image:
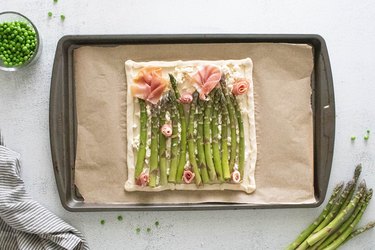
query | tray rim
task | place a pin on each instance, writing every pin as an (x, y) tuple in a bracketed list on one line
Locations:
[(67, 193)]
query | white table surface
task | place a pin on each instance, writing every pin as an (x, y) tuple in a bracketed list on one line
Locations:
[(349, 30)]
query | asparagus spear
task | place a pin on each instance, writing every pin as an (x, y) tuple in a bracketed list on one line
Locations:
[(181, 111), (340, 218), (349, 230), (232, 122), (336, 207), (360, 230), (191, 142), (224, 136), (174, 140), (357, 172), (142, 139), (215, 137), (334, 211), (200, 147), (207, 140), (302, 237), (162, 148), (241, 148), (344, 226), (154, 146)]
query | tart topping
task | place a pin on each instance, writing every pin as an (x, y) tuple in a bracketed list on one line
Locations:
[(240, 86), (149, 84), (206, 79), (188, 176), (236, 176), (166, 130), (143, 179), (186, 98)]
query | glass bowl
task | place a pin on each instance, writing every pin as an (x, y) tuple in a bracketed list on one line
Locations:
[(11, 16)]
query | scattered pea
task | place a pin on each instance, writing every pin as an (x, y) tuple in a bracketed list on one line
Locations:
[(119, 218), (148, 230), (50, 14), (102, 222), (55, 1), (62, 17), (157, 223), (138, 230), (367, 136), (353, 138)]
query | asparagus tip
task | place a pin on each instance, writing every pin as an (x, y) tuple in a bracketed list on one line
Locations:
[(350, 184), (370, 225), (369, 194), (357, 171), (362, 184), (339, 186)]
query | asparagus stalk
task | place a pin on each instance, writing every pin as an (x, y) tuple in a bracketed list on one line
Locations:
[(241, 146), (200, 147), (181, 111), (344, 226), (224, 136), (339, 219), (215, 137), (162, 149), (232, 122), (191, 142), (349, 230), (174, 158), (154, 146), (360, 230), (302, 237), (357, 173), (336, 207), (142, 139), (207, 140)]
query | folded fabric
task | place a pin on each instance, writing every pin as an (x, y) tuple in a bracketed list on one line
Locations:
[(24, 223)]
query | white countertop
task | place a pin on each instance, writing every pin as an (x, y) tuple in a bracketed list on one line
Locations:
[(346, 26)]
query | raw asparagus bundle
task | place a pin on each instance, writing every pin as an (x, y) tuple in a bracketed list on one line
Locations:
[(335, 225)]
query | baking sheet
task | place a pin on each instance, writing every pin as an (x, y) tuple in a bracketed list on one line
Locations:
[(282, 78)]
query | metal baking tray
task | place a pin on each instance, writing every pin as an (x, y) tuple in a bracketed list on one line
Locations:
[(63, 122)]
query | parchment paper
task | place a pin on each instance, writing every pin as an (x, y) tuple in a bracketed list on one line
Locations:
[(282, 89)]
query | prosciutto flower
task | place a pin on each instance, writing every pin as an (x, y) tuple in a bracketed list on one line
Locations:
[(143, 179), (149, 84), (206, 79), (240, 86), (188, 176), (166, 130), (186, 98), (236, 176)]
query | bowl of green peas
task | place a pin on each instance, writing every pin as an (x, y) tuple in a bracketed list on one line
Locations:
[(20, 43)]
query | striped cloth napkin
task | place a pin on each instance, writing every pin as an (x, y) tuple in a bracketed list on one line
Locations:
[(24, 223)]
